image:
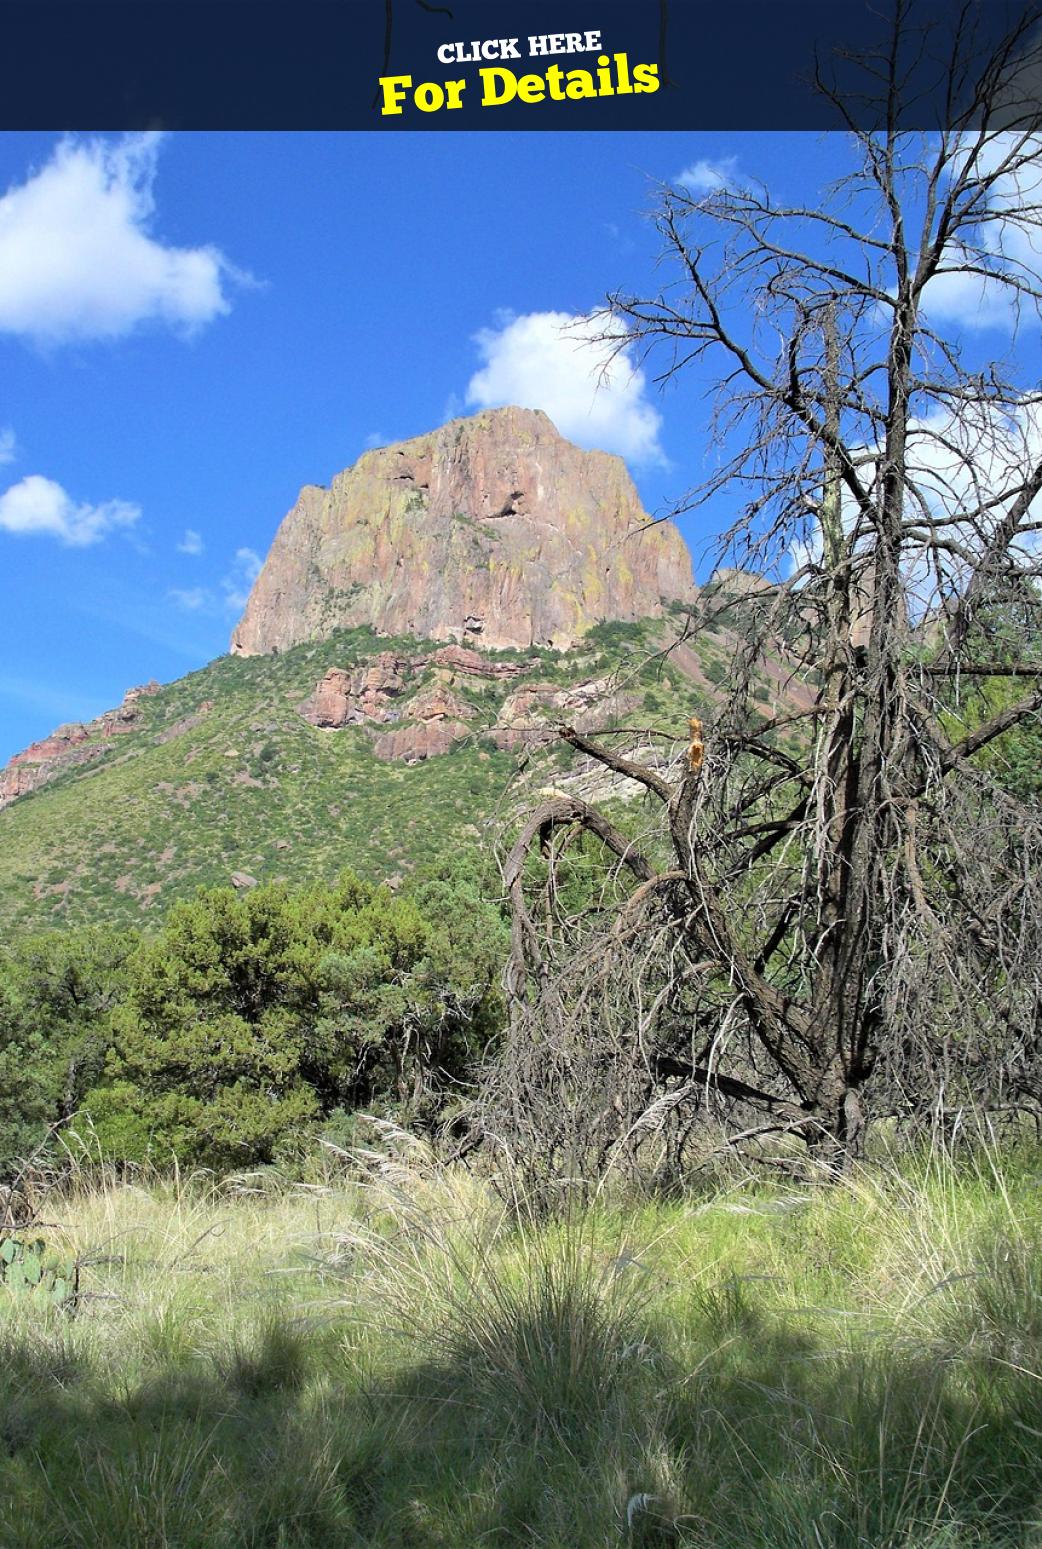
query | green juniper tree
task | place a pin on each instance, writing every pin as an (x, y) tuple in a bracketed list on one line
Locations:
[(250, 1016)]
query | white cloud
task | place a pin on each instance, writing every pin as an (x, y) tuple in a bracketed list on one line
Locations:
[(191, 599), (191, 543), (706, 176), (1009, 244), (969, 300), (77, 259), (37, 506), (964, 469), (553, 361), (8, 445), (230, 592), (245, 569)]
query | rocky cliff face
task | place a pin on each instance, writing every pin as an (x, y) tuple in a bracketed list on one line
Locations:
[(493, 530)]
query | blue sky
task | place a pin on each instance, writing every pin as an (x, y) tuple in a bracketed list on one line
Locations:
[(193, 327)]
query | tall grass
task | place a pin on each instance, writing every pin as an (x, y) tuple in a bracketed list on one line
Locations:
[(392, 1358)]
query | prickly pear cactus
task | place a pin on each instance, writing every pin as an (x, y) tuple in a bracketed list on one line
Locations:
[(30, 1266)]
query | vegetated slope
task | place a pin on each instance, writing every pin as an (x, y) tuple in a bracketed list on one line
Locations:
[(220, 776)]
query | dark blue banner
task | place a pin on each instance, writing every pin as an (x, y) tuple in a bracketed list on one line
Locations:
[(480, 64)]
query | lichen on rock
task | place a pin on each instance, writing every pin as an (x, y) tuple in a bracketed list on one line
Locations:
[(556, 541)]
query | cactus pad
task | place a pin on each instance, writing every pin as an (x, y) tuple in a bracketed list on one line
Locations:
[(28, 1265)]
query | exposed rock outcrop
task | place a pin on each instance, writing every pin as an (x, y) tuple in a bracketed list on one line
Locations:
[(69, 745), (39, 763), (460, 659), (142, 691), (368, 693), (437, 702), (531, 714), (432, 717), (425, 739), (492, 528), (385, 690)]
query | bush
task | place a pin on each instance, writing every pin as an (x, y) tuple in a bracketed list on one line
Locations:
[(56, 994), (252, 1016)]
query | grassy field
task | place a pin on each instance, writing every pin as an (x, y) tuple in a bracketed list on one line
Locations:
[(394, 1359)]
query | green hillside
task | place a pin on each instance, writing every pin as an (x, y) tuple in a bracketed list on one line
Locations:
[(221, 774)]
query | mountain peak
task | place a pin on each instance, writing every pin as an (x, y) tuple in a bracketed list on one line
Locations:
[(492, 528)]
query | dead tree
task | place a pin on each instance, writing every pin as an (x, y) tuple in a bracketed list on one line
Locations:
[(836, 912)]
